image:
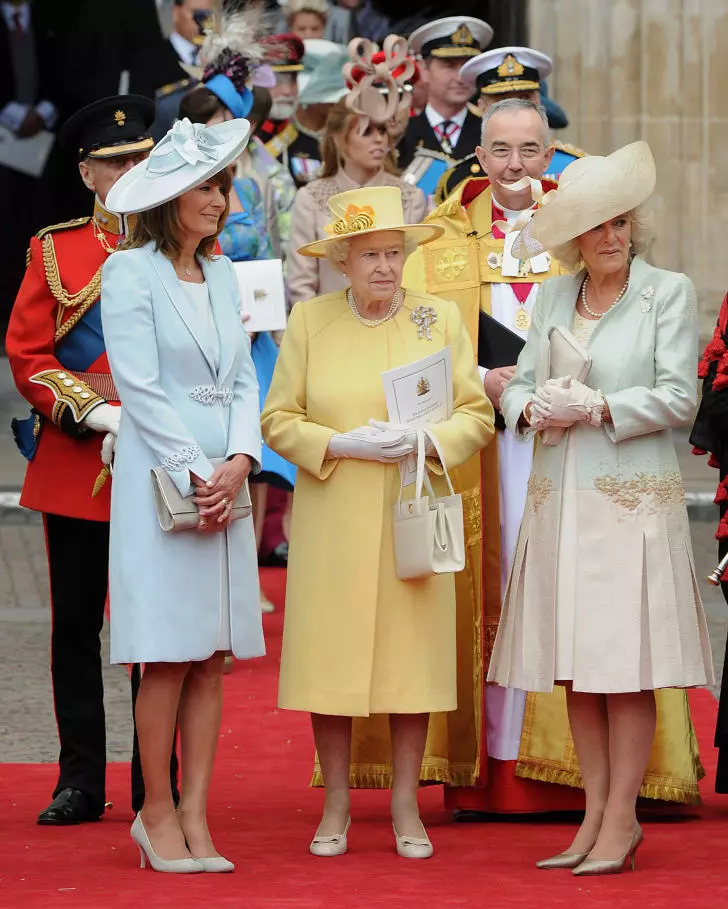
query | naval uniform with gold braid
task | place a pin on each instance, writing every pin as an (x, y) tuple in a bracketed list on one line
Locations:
[(56, 351), (464, 265)]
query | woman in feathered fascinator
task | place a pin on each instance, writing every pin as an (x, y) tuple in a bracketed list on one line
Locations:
[(361, 133)]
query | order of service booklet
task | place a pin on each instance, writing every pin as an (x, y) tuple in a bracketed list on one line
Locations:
[(417, 394)]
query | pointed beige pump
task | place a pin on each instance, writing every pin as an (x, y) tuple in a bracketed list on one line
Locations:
[(171, 866), (329, 846), (603, 866), (562, 860), (217, 864), (413, 847)]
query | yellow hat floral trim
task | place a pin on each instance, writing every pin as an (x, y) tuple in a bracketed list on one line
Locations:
[(355, 219)]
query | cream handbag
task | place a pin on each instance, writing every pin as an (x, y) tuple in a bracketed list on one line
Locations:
[(565, 356), (176, 512), (429, 535)]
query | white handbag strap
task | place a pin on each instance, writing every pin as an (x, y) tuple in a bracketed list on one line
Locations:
[(422, 478)]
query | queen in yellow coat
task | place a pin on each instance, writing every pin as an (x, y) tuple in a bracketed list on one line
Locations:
[(357, 640)]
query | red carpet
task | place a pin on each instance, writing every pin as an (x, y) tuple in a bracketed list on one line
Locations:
[(263, 815)]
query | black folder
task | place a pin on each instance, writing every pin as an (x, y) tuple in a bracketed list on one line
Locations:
[(497, 345)]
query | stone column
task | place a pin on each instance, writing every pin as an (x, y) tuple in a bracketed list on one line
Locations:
[(654, 70)]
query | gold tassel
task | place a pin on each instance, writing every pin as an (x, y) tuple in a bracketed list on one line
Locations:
[(100, 481)]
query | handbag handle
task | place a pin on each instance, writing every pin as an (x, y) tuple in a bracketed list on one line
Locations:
[(422, 478)]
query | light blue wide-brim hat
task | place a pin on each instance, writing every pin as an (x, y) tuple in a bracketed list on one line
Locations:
[(188, 155), (322, 81)]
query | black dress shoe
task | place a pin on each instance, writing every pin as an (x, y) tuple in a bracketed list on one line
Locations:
[(70, 806)]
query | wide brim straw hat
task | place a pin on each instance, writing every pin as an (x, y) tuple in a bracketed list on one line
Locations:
[(591, 191), (359, 212), (187, 156)]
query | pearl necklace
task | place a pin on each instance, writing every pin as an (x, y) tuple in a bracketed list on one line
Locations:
[(598, 315), (372, 323)]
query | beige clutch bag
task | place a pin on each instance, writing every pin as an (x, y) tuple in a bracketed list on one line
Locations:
[(566, 357), (429, 533), (177, 513)]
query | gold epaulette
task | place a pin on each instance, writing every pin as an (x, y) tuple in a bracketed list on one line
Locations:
[(166, 90), (64, 225), (569, 149), (280, 142)]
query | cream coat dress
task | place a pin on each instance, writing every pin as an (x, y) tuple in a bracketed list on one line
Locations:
[(638, 621), (357, 640)]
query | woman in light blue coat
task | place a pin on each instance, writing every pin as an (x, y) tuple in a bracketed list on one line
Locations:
[(181, 362)]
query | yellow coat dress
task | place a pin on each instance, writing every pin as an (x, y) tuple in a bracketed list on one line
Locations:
[(357, 640)]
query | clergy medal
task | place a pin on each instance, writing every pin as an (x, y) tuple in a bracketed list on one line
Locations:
[(522, 320)]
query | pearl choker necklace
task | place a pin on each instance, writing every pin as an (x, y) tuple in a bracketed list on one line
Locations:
[(598, 315), (372, 323)]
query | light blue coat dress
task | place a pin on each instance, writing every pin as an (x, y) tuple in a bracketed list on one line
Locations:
[(168, 592)]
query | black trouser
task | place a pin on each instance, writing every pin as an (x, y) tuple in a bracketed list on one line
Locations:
[(721, 730), (78, 556)]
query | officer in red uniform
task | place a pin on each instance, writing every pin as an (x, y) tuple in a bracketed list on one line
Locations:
[(56, 350)]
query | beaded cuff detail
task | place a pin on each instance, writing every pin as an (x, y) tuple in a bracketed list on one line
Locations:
[(180, 459)]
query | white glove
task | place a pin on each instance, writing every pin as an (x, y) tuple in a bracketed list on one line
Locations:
[(369, 444), (104, 418), (538, 415), (108, 447), (566, 401), (410, 435)]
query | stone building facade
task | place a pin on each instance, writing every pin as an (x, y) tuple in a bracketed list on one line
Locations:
[(654, 70)]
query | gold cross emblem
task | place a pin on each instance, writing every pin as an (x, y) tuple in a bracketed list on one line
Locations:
[(451, 264)]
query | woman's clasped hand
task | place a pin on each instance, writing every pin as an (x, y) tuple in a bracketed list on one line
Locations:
[(216, 496), (370, 443), (563, 402)]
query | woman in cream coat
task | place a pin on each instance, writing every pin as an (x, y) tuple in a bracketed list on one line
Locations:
[(357, 640), (602, 595), (181, 362)]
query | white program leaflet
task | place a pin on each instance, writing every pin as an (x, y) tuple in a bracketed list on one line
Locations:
[(418, 394), (28, 156), (262, 293)]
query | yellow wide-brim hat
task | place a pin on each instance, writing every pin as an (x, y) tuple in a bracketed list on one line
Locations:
[(359, 212), (591, 191)]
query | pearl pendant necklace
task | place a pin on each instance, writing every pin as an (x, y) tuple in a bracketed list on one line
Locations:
[(188, 272), (598, 315), (372, 323)]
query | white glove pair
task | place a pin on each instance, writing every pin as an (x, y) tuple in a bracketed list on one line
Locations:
[(565, 401), (105, 418), (379, 441)]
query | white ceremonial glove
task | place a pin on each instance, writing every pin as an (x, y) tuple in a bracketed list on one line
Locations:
[(369, 444), (410, 435), (538, 415), (566, 401), (104, 418), (108, 447)]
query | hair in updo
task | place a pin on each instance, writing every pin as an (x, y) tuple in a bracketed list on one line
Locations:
[(643, 233)]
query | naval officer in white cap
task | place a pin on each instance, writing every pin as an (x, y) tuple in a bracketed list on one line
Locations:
[(446, 131)]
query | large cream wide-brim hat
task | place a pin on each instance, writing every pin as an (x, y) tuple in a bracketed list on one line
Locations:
[(187, 156), (370, 210), (591, 190)]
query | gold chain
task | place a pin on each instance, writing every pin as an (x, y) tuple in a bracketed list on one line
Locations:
[(100, 236)]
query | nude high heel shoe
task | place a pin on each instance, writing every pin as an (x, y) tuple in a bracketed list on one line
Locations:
[(329, 846), (604, 866), (171, 866), (218, 864), (413, 847), (563, 860)]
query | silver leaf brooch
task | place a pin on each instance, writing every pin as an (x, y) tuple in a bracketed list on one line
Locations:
[(424, 318), (647, 294)]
